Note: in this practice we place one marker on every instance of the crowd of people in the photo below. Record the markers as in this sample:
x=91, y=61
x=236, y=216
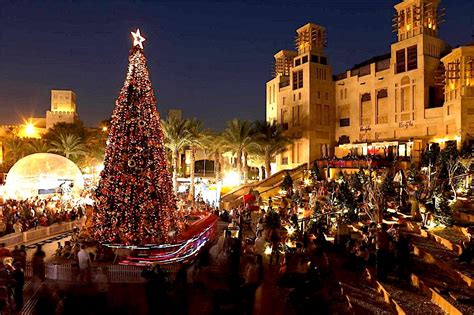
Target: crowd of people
x=12, y=275
x=381, y=247
x=18, y=216
x=282, y=236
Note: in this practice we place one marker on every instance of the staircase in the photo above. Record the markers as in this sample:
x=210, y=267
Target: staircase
x=267, y=187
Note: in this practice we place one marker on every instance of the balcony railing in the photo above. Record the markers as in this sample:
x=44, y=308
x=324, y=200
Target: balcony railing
x=360, y=162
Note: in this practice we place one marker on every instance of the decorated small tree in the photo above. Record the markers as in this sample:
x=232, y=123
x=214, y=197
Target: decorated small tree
x=318, y=220
x=345, y=199
x=287, y=184
x=443, y=213
x=387, y=188
x=315, y=173
x=414, y=175
x=272, y=220
x=451, y=167
x=135, y=204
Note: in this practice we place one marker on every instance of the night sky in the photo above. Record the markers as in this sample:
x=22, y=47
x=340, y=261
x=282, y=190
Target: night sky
x=209, y=58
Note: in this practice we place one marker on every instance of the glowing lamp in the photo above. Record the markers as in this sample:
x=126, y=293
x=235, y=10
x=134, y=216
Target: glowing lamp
x=268, y=250
x=104, y=128
x=231, y=179
x=30, y=129
x=291, y=230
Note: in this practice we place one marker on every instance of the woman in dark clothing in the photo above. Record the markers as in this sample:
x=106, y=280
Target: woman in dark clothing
x=38, y=263
x=19, y=281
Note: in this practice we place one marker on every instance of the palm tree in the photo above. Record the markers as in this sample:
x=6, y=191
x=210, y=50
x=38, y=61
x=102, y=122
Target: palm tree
x=15, y=148
x=176, y=137
x=257, y=159
x=96, y=144
x=195, y=139
x=272, y=141
x=37, y=146
x=214, y=146
x=95, y=148
x=69, y=145
x=238, y=137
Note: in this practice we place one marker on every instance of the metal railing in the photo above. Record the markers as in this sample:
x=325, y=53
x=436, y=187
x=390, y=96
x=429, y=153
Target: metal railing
x=114, y=273
x=13, y=239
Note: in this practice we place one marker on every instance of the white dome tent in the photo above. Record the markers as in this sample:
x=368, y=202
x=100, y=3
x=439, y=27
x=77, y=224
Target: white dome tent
x=42, y=174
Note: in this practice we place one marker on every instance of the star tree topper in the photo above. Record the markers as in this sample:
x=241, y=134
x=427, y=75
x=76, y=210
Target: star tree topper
x=138, y=39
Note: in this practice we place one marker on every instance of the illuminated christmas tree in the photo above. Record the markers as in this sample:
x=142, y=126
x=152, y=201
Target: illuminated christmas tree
x=135, y=204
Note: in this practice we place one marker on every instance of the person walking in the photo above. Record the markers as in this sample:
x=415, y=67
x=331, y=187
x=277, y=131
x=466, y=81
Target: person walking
x=22, y=256
x=402, y=257
x=38, y=263
x=155, y=288
x=84, y=264
x=182, y=291
x=102, y=281
x=382, y=245
x=275, y=241
x=467, y=247
x=253, y=279
x=18, y=275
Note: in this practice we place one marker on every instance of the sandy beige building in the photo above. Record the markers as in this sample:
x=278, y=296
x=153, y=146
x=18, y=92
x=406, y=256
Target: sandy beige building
x=63, y=108
x=391, y=105
x=301, y=97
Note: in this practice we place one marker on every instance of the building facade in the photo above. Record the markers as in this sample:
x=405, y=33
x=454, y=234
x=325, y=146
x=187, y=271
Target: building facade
x=63, y=108
x=396, y=104
x=300, y=97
